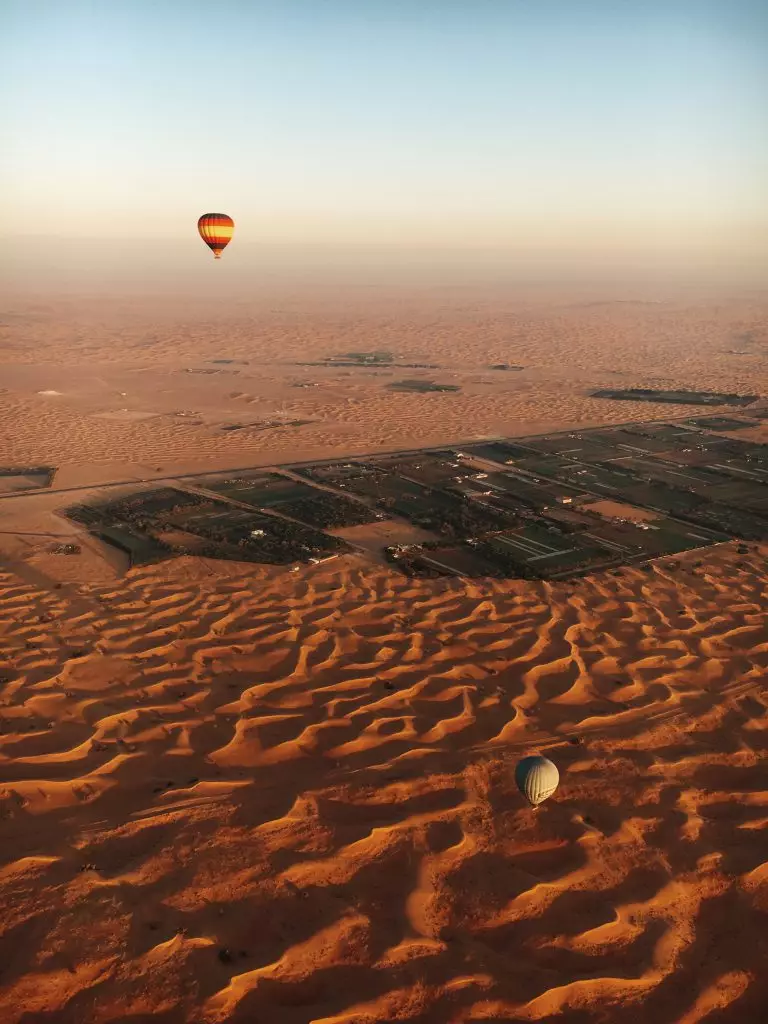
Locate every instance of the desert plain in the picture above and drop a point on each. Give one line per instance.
(234, 793)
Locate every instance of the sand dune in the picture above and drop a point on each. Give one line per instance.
(125, 390)
(232, 794)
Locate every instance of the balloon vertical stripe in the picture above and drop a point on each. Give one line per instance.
(216, 230)
(537, 778)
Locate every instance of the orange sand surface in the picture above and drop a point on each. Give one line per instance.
(237, 794)
(618, 510)
(128, 405)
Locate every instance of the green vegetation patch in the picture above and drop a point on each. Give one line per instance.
(681, 397)
(421, 386)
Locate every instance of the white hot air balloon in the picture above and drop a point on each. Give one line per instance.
(537, 778)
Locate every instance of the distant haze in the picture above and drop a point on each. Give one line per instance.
(185, 271)
(550, 137)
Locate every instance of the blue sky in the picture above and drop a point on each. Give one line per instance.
(561, 123)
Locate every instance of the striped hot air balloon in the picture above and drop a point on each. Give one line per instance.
(216, 231)
(537, 778)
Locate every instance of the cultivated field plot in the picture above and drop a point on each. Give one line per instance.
(658, 535)
(141, 508)
(436, 495)
(294, 500)
(680, 397)
(155, 524)
(530, 552)
(714, 481)
(375, 538)
(375, 482)
(644, 440)
(536, 494)
(328, 511)
(362, 360)
(262, 490)
(725, 423)
(140, 548)
(675, 500)
(698, 479)
(504, 452)
(709, 448)
(663, 431)
(419, 386)
(720, 469)
(544, 507)
(740, 457)
(25, 478)
(454, 560)
(724, 483)
(127, 523)
(334, 474)
(584, 447)
(429, 468)
(389, 484)
(660, 458)
(535, 552)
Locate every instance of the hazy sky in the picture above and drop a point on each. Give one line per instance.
(556, 123)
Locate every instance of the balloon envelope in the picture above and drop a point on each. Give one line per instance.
(216, 230)
(537, 778)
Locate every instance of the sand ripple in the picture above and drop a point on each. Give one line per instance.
(231, 794)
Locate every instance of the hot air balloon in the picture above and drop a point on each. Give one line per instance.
(537, 778)
(216, 231)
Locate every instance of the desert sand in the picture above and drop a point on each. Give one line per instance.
(236, 794)
(127, 403)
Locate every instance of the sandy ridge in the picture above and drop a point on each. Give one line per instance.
(259, 797)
